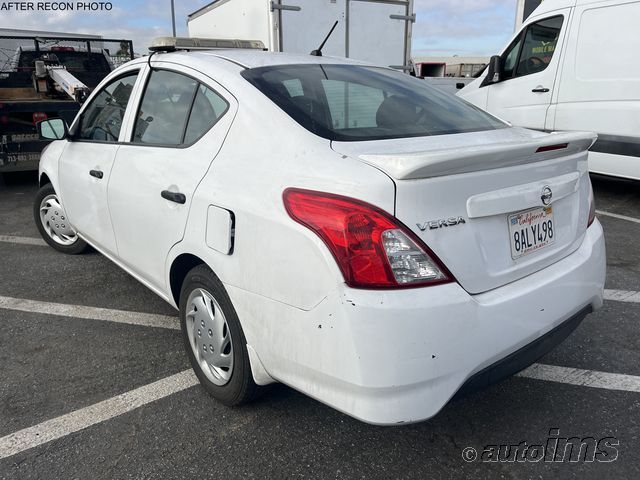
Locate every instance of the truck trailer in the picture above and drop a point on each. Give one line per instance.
(300, 26)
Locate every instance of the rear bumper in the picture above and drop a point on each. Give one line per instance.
(389, 357)
(522, 358)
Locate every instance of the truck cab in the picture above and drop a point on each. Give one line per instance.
(572, 66)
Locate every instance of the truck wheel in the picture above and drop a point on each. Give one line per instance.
(214, 339)
(52, 223)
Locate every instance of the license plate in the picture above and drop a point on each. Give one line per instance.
(531, 230)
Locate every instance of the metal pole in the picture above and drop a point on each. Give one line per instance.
(173, 18)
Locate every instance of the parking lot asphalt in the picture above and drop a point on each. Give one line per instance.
(66, 372)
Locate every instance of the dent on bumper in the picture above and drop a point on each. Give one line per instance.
(397, 357)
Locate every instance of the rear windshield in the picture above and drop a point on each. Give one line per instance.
(353, 103)
(73, 61)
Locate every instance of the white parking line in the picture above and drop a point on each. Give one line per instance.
(622, 296)
(72, 422)
(615, 215)
(23, 240)
(583, 378)
(75, 421)
(90, 313)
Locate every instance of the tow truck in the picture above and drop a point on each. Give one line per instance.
(44, 77)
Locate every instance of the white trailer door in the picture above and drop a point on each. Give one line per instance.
(305, 23)
(377, 32)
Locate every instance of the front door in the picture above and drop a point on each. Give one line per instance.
(529, 66)
(180, 126)
(86, 164)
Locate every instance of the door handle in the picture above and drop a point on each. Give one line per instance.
(96, 173)
(540, 89)
(174, 196)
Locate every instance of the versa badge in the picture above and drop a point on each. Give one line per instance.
(434, 224)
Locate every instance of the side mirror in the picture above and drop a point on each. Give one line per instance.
(53, 129)
(494, 71)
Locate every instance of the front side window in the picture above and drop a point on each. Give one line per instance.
(352, 103)
(102, 118)
(539, 44)
(533, 49)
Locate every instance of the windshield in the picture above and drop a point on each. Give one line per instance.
(351, 103)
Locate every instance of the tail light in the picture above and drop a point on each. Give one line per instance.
(372, 248)
(592, 206)
(38, 117)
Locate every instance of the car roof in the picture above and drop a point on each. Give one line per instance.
(252, 58)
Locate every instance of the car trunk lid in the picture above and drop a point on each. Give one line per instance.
(460, 193)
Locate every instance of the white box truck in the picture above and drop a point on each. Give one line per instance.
(376, 31)
(574, 65)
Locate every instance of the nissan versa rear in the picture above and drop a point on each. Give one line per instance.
(341, 228)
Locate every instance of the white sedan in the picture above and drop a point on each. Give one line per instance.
(341, 228)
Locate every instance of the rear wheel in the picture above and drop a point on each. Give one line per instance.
(214, 339)
(53, 224)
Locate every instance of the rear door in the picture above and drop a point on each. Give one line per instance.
(181, 122)
(530, 65)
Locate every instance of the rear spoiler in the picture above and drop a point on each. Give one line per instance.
(451, 161)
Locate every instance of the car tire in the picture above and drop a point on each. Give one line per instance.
(214, 339)
(53, 225)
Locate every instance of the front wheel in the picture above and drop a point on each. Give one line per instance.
(53, 224)
(214, 339)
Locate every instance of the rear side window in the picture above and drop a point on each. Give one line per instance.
(352, 103)
(207, 109)
(165, 107)
(176, 110)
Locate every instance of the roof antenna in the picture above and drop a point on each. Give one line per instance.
(318, 52)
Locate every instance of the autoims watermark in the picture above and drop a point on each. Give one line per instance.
(555, 449)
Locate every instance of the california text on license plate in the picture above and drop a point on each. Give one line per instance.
(531, 230)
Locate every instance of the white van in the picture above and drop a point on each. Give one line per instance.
(574, 65)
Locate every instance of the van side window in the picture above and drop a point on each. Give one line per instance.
(539, 44)
(510, 57)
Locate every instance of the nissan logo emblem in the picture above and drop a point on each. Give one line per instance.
(546, 195)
